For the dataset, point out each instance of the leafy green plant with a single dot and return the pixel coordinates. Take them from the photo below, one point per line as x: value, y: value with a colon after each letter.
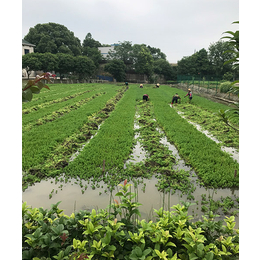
x: 35, y: 86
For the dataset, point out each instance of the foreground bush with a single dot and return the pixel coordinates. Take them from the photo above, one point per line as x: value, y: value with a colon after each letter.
x: 50, y: 234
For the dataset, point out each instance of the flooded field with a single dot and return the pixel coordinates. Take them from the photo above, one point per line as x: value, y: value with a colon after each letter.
x: 78, y: 194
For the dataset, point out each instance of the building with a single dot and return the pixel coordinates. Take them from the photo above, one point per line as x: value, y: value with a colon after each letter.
x: 104, y: 50
x: 27, y: 48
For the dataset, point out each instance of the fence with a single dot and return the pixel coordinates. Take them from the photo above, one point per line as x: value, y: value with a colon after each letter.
x: 208, y: 86
x: 208, y: 82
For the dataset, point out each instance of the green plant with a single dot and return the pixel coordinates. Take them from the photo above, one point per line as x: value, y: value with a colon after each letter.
x: 35, y: 86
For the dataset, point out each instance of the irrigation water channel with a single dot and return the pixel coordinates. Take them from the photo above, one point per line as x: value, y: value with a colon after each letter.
x: 73, y: 199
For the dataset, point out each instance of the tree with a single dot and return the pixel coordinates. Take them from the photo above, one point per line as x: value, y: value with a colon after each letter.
x: 31, y: 62
x: 163, y: 68
x: 65, y: 63
x: 142, y: 60
x: 156, y: 53
x: 218, y: 55
x: 187, y: 66
x: 92, y: 53
x: 84, y: 67
x: 90, y: 42
x: 53, y: 38
x: 49, y: 61
x: 123, y: 52
x: 194, y: 65
x: 117, y: 69
x: 202, y: 62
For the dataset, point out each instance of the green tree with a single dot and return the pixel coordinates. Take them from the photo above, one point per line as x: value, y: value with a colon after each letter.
x: 196, y: 65
x: 53, y: 38
x: 49, y: 61
x: 117, y: 69
x: 156, y: 53
x: 90, y: 42
x: 202, y: 62
x: 218, y: 56
x: 163, y: 68
x: 123, y: 52
x: 142, y: 60
x: 65, y: 63
x: 187, y: 66
x: 30, y: 62
x: 84, y: 67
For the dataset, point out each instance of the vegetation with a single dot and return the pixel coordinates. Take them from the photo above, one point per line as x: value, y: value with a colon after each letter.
x: 47, y: 150
x: 115, y: 234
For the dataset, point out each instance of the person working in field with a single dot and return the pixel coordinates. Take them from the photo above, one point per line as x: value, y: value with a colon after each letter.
x: 145, y: 97
x: 175, y: 98
x: 189, y: 94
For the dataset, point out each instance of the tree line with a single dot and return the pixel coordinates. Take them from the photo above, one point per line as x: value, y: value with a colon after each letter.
x: 57, y: 49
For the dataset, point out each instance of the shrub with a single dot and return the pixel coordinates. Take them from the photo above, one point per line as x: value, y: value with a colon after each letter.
x: 225, y: 87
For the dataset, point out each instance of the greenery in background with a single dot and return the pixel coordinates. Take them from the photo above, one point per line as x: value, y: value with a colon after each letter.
x: 50, y: 234
x: 117, y: 69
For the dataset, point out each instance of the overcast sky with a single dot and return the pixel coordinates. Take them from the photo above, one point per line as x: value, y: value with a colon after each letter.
x: 177, y: 27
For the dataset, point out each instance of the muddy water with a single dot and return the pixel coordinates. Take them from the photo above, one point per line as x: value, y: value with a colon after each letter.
x: 75, y: 197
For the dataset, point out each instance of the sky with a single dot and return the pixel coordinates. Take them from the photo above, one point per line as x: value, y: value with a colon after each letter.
x: 177, y: 27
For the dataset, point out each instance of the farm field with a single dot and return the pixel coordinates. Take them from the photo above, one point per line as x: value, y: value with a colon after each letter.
x: 85, y: 134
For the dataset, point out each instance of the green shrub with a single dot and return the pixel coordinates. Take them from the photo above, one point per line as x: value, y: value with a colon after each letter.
x: 225, y: 87
x: 49, y: 234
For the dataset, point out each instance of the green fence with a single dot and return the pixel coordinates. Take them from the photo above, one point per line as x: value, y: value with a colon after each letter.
x: 208, y: 82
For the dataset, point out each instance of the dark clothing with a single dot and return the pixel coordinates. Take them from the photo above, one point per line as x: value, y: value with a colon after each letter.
x: 175, y: 98
x: 145, y: 97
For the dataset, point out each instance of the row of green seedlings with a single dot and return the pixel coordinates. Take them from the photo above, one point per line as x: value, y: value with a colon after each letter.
x: 103, y: 158
x: 160, y: 160
x: 56, y: 91
x: 209, y: 121
x: 32, y: 118
x: 58, y: 100
x: 39, y: 143
x: 60, y: 112
x: 59, y: 158
x: 200, y: 102
x: 113, y: 235
x: 214, y: 167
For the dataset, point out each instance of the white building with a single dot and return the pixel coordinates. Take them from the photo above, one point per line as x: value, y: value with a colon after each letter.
x: 27, y: 48
x: 104, y: 50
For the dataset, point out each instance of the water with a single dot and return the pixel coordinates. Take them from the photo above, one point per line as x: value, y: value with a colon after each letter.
x: 75, y: 197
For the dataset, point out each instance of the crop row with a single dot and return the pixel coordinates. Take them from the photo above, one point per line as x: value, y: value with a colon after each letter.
x: 209, y: 121
x: 112, y: 144
x: 160, y: 161
x: 42, y: 140
x: 37, y: 107
x: 62, y: 154
x: 56, y: 91
x: 213, y: 166
x: 47, y: 110
x: 198, y: 102
x: 60, y: 112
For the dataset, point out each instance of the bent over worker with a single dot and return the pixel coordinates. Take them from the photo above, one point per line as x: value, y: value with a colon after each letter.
x: 189, y: 94
x: 145, y: 97
x: 175, y: 98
